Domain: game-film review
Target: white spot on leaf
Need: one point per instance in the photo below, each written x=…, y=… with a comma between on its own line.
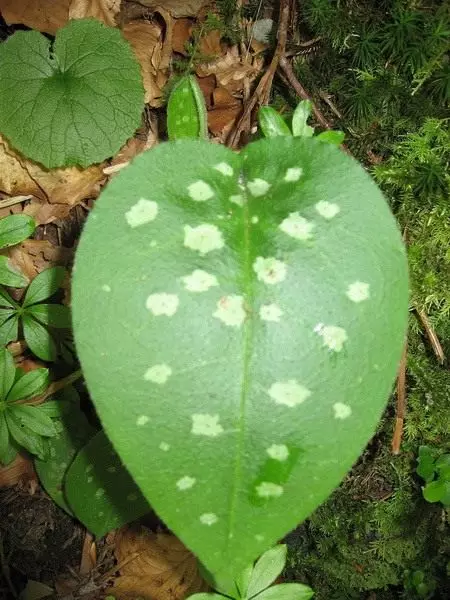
x=333, y=337
x=237, y=199
x=230, y=310
x=293, y=174
x=162, y=304
x=278, y=452
x=224, y=168
x=142, y=420
x=199, y=281
x=204, y=424
x=290, y=393
x=99, y=493
x=267, y=489
x=297, y=227
x=185, y=482
x=255, y=219
x=327, y=210
x=208, y=519
x=203, y=238
x=144, y=211
x=164, y=446
x=158, y=374
x=341, y=411
x=200, y=191
x=270, y=270
x=270, y=312
x=106, y=287
x=258, y=187
x=358, y=291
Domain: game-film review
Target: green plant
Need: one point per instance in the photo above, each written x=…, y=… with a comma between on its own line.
x=255, y=581
x=13, y=230
x=38, y=320
x=186, y=112
x=435, y=471
x=22, y=425
x=75, y=102
x=226, y=350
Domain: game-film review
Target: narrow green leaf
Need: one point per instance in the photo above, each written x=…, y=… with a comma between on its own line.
x=242, y=582
x=38, y=339
x=7, y=372
x=29, y=385
x=14, y=229
x=9, y=330
x=271, y=123
x=300, y=128
x=24, y=436
x=186, y=111
x=4, y=438
x=287, y=591
x=5, y=299
x=53, y=315
x=206, y=596
x=238, y=365
x=33, y=418
x=44, y=285
x=9, y=275
x=81, y=97
x=99, y=489
x=331, y=137
x=5, y=314
x=267, y=569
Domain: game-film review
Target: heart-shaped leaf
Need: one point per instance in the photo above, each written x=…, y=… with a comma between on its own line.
x=75, y=103
x=252, y=310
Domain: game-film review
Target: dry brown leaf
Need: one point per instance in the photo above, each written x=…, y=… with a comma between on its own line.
x=229, y=70
x=33, y=256
x=19, y=471
x=221, y=120
x=43, y=15
x=182, y=30
x=103, y=10
x=14, y=178
x=155, y=567
x=223, y=99
x=177, y=8
x=210, y=44
x=207, y=85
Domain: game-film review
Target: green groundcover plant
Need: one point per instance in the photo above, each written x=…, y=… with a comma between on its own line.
x=435, y=470
x=13, y=230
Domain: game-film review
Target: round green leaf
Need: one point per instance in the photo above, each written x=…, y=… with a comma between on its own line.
x=239, y=373
x=75, y=102
x=15, y=228
x=436, y=491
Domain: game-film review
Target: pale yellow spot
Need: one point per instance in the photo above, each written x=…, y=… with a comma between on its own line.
x=144, y=211
x=237, y=199
x=158, y=374
x=199, y=281
x=106, y=287
x=162, y=304
x=293, y=174
x=208, y=519
x=258, y=187
x=297, y=227
x=153, y=244
x=358, y=291
x=259, y=538
x=224, y=168
x=200, y=191
x=231, y=311
x=142, y=420
x=267, y=489
x=164, y=446
x=203, y=238
x=333, y=337
x=90, y=479
x=341, y=411
x=100, y=492
x=327, y=210
x=270, y=312
x=289, y=393
x=185, y=483
x=255, y=219
x=269, y=270
x=208, y=425
x=278, y=452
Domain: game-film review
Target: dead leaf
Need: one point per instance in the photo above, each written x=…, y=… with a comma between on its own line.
x=207, y=85
x=155, y=567
x=103, y=10
x=229, y=70
x=223, y=99
x=14, y=178
x=44, y=15
x=182, y=31
x=177, y=8
x=221, y=120
x=210, y=44
x=19, y=471
x=33, y=256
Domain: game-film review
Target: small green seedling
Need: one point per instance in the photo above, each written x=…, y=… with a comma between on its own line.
x=22, y=425
x=75, y=101
x=13, y=230
x=435, y=470
x=255, y=581
x=186, y=112
x=39, y=320
x=273, y=125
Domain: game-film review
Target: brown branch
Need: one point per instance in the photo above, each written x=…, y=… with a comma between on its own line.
x=401, y=403
x=431, y=335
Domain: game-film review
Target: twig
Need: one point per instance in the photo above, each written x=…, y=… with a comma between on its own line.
x=431, y=335
x=262, y=91
x=14, y=200
x=401, y=403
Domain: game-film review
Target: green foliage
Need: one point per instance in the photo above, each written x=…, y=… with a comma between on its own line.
x=40, y=321
x=75, y=102
x=13, y=230
x=242, y=250
x=186, y=111
x=22, y=425
x=436, y=473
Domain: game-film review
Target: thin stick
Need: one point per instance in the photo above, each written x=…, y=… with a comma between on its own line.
x=13, y=200
x=431, y=335
x=401, y=403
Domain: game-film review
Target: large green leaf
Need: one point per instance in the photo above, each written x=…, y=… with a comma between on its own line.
x=15, y=228
x=73, y=102
x=99, y=489
x=238, y=372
